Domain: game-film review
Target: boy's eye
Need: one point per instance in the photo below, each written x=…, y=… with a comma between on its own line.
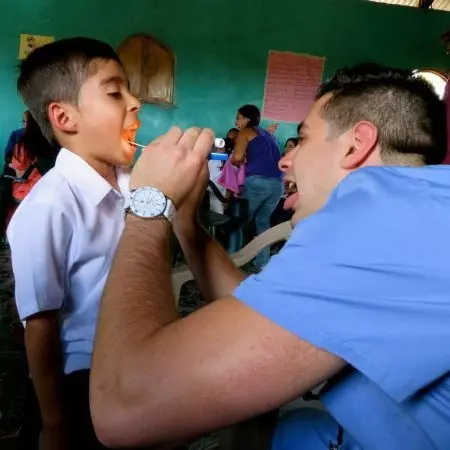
x=115, y=94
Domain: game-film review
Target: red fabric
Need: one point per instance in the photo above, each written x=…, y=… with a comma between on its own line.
x=20, y=162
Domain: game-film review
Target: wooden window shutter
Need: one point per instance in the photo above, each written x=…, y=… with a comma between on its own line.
x=150, y=67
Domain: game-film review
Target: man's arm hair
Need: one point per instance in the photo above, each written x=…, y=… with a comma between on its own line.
x=156, y=378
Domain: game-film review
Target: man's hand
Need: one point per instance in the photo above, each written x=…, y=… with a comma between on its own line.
x=175, y=163
x=186, y=215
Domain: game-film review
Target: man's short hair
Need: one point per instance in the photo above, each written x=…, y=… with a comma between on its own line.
x=407, y=112
x=56, y=73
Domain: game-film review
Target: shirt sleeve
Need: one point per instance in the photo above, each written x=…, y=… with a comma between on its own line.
x=39, y=236
x=362, y=280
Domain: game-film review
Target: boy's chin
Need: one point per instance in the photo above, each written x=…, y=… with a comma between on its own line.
x=126, y=161
x=126, y=157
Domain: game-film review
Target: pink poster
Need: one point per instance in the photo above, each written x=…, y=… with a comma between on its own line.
x=291, y=84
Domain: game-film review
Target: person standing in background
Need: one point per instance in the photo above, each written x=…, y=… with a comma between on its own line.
x=290, y=144
x=31, y=157
x=281, y=214
x=215, y=170
x=15, y=137
x=262, y=188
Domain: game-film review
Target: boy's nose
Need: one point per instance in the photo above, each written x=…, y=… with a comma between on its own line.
x=134, y=104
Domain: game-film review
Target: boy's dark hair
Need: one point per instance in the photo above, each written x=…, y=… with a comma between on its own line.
x=252, y=113
x=407, y=112
x=56, y=72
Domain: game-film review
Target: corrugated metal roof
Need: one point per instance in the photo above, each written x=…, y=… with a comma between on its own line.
x=443, y=5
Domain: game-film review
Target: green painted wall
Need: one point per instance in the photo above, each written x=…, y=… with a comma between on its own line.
x=222, y=45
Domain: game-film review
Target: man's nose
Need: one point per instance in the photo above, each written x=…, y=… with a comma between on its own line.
x=285, y=162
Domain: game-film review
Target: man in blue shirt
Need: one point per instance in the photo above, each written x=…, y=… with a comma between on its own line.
x=358, y=297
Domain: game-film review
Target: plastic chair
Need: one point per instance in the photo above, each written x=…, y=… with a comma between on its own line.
x=281, y=232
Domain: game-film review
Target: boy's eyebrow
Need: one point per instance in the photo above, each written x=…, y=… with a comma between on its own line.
x=115, y=79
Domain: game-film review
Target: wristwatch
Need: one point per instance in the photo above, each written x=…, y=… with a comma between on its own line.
x=150, y=203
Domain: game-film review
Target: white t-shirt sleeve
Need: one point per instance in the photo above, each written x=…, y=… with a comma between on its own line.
x=39, y=236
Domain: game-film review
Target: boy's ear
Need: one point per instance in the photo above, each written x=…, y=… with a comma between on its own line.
x=62, y=117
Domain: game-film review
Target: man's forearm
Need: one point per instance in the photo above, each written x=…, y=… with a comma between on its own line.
x=45, y=364
x=132, y=300
x=214, y=271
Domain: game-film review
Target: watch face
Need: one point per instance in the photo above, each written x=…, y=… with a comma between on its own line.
x=148, y=202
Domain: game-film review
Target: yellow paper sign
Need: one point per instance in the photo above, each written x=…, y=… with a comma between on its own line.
x=30, y=42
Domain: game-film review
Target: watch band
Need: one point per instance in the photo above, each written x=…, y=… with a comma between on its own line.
x=170, y=210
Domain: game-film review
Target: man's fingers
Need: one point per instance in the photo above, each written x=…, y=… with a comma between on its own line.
x=189, y=138
x=155, y=141
x=172, y=137
x=204, y=143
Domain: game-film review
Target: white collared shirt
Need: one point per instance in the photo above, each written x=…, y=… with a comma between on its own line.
x=63, y=239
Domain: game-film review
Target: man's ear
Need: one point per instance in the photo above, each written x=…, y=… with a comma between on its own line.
x=363, y=141
x=62, y=117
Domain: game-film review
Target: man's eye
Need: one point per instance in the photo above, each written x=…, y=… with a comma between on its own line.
x=115, y=94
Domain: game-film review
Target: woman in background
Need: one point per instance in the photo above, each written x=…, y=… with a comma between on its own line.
x=32, y=157
x=290, y=144
x=262, y=188
x=215, y=170
x=281, y=214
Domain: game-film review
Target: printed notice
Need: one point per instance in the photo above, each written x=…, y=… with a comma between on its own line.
x=291, y=85
x=29, y=42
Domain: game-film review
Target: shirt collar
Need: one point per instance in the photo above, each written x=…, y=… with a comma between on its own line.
x=87, y=180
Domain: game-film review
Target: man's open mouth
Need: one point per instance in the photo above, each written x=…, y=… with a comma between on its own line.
x=291, y=195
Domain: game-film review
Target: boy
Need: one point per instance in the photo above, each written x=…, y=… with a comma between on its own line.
x=64, y=234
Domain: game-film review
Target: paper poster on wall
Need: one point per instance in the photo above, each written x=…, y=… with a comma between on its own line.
x=29, y=42
x=291, y=83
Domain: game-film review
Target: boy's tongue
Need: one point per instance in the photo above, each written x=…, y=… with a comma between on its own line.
x=290, y=201
x=129, y=134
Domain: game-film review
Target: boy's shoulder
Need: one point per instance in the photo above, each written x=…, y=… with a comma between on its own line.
x=49, y=205
x=52, y=189
x=51, y=196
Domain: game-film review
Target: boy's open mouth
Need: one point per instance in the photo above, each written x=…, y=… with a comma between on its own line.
x=292, y=196
x=129, y=133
